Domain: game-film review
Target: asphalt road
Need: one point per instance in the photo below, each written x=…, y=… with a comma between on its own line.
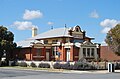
x=6, y=73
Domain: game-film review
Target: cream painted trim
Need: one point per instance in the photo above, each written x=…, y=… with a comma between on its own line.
x=81, y=52
x=38, y=56
x=38, y=47
x=76, y=56
x=48, y=47
x=70, y=44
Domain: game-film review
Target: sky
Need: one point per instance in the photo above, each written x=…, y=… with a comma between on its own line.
x=96, y=17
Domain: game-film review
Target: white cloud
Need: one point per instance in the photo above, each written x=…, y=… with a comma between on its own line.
x=94, y=14
x=103, y=43
x=107, y=24
x=25, y=25
x=29, y=15
x=105, y=30
x=50, y=23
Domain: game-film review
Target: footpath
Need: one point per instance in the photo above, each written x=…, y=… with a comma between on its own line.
x=83, y=71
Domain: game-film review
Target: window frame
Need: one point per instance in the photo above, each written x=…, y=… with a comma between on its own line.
x=84, y=52
x=38, y=52
x=92, y=52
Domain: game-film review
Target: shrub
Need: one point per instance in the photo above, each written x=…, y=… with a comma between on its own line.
x=3, y=63
x=57, y=66
x=76, y=66
x=117, y=66
x=65, y=66
x=83, y=66
x=33, y=65
x=71, y=67
x=14, y=63
x=44, y=65
x=23, y=64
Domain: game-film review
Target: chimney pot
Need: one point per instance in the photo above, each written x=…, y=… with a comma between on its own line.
x=34, y=31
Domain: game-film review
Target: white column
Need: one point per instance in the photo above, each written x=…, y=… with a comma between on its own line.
x=86, y=52
x=96, y=56
x=80, y=53
x=90, y=52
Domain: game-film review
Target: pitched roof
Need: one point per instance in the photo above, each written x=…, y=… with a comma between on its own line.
x=26, y=43
x=59, y=32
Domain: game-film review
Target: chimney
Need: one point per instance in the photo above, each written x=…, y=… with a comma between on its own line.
x=34, y=31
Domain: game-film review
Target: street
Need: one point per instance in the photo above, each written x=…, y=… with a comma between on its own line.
x=6, y=73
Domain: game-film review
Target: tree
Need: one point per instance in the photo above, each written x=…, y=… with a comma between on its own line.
x=6, y=42
x=113, y=39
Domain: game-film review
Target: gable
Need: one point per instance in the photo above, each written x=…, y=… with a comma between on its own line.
x=77, y=33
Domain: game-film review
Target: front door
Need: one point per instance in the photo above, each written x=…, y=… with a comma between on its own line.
x=47, y=56
x=68, y=54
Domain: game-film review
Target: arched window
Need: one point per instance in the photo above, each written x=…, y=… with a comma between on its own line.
x=77, y=29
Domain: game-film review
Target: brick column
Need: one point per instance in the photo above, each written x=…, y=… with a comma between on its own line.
x=71, y=53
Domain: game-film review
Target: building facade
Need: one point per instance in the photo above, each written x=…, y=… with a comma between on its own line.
x=64, y=44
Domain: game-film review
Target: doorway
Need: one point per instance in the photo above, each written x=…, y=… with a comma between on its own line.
x=47, y=54
x=68, y=54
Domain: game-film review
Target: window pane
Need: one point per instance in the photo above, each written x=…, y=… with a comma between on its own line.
x=38, y=52
x=45, y=41
x=84, y=52
x=88, y=51
x=54, y=41
x=54, y=51
x=92, y=52
x=47, y=50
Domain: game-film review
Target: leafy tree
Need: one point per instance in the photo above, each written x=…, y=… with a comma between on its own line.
x=113, y=39
x=6, y=42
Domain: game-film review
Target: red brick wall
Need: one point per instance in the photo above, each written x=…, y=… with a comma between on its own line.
x=107, y=54
x=23, y=53
x=71, y=53
x=43, y=54
x=61, y=50
x=65, y=55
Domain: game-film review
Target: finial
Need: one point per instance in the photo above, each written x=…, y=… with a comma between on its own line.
x=51, y=27
x=65, y=26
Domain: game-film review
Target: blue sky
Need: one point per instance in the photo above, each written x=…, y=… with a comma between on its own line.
x=96, y=17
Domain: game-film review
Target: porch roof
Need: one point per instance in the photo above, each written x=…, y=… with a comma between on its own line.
x=26, y=43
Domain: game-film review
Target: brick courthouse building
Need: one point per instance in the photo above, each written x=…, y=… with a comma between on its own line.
x=65, y=44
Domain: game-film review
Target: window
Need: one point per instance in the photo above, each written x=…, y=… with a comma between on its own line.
x=88, y=52
x=92, y=52
x=54, y=41
x=38, y=52
x=45, y=41
x=54, y=51
x=84, y=52
x=47, y=50
x=77, y=29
